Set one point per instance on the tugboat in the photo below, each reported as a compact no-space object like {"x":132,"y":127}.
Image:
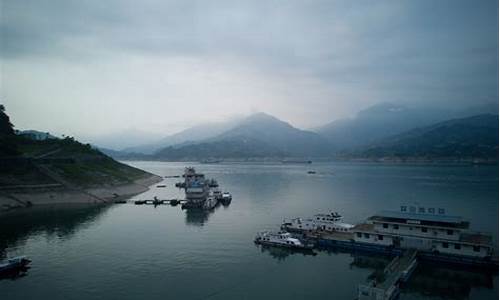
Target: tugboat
{"x":281,"y":239}
{"x":14,"y":263}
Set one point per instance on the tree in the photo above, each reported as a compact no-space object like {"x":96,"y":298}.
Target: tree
{"x":8,"y":139}
{"x":6,"y":127}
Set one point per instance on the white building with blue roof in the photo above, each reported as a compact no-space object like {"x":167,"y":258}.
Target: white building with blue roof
{"x":424,"y":229}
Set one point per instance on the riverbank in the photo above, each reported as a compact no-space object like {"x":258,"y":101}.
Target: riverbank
{"x":49,"y":195}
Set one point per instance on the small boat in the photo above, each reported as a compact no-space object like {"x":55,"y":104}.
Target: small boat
{"x":210,"y":203}
{"x":281,"y":239}
{"x":210,"y":161}
{"x":217,"y":194}
{"x":226,"y":197}
{"x":161,"y":186}
{"x":296,"y":161}
{"x":121,"y":201}
{"x":311,"y":172}
{"x":213,"y":183}
{"x":180,"y":185}
{"x":139,"y":202}
{"x":174,"y":202}
{"x":14,"y":263}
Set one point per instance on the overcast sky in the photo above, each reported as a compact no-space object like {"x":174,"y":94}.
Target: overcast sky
{"x":95,"y":67}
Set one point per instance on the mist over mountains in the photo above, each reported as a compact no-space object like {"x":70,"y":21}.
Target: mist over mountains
{"x":384,"y":129}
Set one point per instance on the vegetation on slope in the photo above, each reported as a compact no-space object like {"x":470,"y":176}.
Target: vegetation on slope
{"x":24,"y":161}
{"x":473,"y":138}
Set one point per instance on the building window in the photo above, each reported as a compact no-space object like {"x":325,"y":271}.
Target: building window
{"x":395,"y":226}
{"x":475,"y":248}
{"x":385,"y":225}
{"x":449,"y":232}
{"x":445,"y":245}
{"x":358,"y":234}
{"x":367,"y":236}
{"x":380,"y":237}
{"x":403,"y":208}
{"x":457,"y":246}
{"x":424,"y":229}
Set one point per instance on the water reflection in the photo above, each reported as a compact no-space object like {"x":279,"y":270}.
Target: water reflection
{"x":448,"y":282}
{"x":15,"y":273}
{"x":281,"y":253}
{"x":198,"y":216}
{"x":60,"y":221}
{"x":433,"y":279}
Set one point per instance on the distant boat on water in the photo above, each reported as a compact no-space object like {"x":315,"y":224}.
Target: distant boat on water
{"x":210,"y":161}
{"x":286,"y":161}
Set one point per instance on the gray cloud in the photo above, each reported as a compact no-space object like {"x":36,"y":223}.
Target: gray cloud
{"x":308,"y":62}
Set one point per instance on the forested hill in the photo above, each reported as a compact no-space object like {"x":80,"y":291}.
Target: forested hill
{"x":26,"y":161}
{"x":472,"y":138}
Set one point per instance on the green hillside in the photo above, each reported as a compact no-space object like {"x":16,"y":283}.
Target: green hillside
{"x":24,"y":161}
{"x":473,"y":138}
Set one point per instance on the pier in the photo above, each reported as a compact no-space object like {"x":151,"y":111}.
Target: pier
{"x":156,"y":201}
{"x":385,"y":286}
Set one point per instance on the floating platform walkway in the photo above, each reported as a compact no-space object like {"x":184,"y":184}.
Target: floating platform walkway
{"x":159,"y":202}
{"x":385,"y":286}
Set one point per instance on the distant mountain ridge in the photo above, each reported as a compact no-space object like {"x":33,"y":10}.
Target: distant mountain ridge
{"x":188,"y":136}
{"x":375,"y":122}
{"x":474,"y":137}
{"x":259,"y":135}
{"x":388,"y":119}
{"x":264,"y":136}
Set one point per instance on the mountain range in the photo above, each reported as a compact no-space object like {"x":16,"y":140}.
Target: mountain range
{"x":372,"y":132}
{"x":474,"y":137}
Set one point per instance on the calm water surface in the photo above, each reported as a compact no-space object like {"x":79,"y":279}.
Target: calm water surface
{"x":141,"y":252}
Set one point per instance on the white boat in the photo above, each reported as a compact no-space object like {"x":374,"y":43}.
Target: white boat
{"x":331,"y":222}
{"x":217,"y":194}
{"x":281,"y":239}
{"x":210,"y":203}
{"x":226,"y":196}
{"x":14,"y":263}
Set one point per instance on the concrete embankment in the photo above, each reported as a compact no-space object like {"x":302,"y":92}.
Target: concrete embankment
{"x":47,"y":195}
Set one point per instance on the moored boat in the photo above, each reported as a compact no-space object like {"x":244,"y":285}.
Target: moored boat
{"x":331,"y":222}
{"x":14,"y":263}
{"x":280,"y":239}
{"x":226,"y":196}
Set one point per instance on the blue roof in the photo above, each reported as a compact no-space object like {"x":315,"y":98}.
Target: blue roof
{"x":420,"y":216}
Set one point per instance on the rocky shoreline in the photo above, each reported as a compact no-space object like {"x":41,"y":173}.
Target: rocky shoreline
{"x":47,"y":196}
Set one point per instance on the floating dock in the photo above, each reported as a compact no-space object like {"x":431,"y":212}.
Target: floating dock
{"x":159,"y":202}
{"x":386,"y":285}
{"x":343,"y":241}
